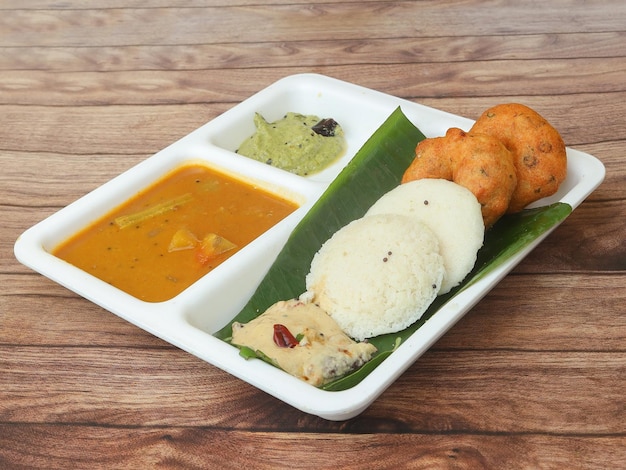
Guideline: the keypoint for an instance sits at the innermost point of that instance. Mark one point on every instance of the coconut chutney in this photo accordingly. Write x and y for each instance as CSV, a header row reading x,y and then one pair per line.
x,y
301,144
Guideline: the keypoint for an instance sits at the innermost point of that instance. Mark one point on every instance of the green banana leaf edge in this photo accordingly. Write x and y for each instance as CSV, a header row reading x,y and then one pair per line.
x,y
376,169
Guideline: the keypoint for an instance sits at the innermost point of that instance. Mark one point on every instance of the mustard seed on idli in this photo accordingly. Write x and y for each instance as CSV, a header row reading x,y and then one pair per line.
x,y
451,211
377,274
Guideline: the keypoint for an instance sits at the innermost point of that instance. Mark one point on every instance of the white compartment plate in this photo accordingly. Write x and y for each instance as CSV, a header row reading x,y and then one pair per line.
x,y
189,319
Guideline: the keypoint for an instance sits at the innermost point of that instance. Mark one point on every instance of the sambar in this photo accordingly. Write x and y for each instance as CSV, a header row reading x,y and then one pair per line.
x,y
165,238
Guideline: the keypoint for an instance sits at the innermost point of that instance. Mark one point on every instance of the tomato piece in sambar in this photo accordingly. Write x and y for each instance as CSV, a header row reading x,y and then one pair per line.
x,y
169,235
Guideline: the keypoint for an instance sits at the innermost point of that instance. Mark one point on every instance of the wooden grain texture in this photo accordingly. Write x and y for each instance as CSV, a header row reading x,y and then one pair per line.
x,y
340,20
534,376
197,448
410,80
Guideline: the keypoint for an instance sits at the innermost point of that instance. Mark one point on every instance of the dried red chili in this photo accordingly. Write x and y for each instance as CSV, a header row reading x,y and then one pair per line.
x,y
283,337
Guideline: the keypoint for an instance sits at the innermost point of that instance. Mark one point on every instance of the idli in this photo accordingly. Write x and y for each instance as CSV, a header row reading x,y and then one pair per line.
x,y
377,275
451,211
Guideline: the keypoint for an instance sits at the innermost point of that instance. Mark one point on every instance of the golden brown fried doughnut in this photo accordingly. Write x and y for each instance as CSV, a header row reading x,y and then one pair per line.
x,y
538,150
478,162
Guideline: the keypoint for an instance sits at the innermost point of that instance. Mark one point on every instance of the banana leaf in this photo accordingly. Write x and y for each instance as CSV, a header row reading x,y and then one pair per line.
x,y
376,169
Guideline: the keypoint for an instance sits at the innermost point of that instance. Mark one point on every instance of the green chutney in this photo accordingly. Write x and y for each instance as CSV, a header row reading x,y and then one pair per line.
x,y
297,143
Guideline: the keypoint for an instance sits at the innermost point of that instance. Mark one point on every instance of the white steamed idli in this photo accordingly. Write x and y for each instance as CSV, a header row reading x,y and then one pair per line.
x,y
377,274
449,210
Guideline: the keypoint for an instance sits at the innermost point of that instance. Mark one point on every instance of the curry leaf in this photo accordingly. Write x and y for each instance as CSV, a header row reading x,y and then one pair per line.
x,y
247,353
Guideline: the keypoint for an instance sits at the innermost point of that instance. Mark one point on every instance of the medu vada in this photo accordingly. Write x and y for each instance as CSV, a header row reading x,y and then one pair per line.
x,y
480,163
538,150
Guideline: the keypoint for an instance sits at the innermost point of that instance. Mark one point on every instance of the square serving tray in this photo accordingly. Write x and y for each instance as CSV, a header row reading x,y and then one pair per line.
x,y
190,319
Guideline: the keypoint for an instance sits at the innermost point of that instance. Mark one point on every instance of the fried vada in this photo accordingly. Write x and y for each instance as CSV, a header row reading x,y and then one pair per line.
x,y
480,163
433,159
538,150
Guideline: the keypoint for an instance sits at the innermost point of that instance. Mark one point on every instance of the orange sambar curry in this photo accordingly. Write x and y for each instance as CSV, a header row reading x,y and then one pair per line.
x,y
165,238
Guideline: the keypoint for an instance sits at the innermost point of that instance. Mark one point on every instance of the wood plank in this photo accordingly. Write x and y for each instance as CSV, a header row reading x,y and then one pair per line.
x,y
510,391
591,239
179,447
107,131
28,321
546,313
297,53
344,20
460,391
413,80
102,134
89,5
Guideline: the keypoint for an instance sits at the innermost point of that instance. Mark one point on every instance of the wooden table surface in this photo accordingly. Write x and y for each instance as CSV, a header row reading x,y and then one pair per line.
x,y
533,377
